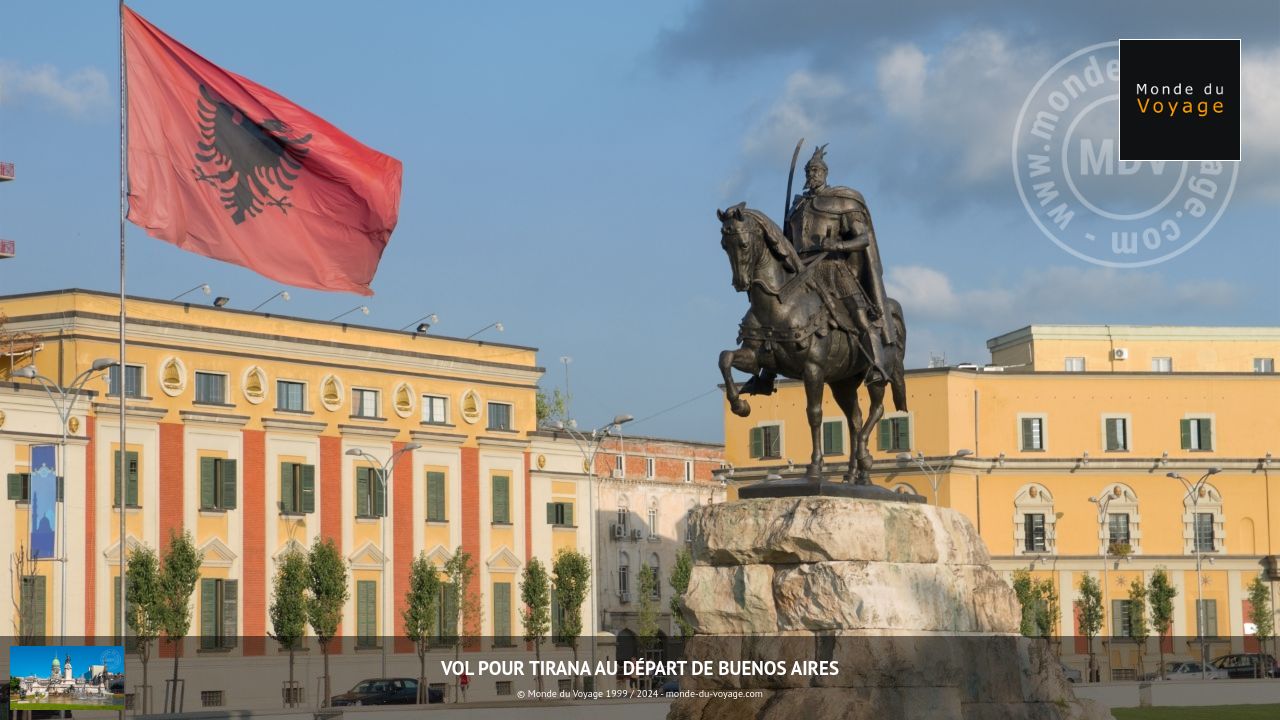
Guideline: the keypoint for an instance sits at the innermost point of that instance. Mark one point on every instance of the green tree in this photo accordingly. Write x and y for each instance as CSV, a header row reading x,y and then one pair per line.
x,y
681,571
145,608
1139,630
288,609
1090,606
420,614
464,608
553,406
1161,594
1037,598
328,595
571,578
535,593
1260,613
179,573
647,612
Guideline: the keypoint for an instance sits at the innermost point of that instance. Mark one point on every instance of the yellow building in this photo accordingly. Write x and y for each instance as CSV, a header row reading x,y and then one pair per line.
x,y
1059,463
259,434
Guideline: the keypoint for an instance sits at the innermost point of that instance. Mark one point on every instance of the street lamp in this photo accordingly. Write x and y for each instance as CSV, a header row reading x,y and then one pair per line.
x,y
1102,504
424,323
382,470
361,308
64,401
283,295
589,458
495,325
202,286
1193,491
934,474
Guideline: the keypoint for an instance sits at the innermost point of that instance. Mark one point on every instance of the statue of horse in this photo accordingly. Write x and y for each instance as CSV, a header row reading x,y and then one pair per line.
x,y
792,330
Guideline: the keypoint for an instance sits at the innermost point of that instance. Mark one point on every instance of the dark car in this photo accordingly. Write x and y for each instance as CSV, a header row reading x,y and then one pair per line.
x,y
1248,665
385,691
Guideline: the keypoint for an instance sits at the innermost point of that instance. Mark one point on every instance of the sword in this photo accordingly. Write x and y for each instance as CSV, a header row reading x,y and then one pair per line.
x,y
786,208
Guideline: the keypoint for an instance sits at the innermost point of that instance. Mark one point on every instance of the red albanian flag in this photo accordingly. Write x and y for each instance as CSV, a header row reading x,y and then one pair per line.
x,y
223,167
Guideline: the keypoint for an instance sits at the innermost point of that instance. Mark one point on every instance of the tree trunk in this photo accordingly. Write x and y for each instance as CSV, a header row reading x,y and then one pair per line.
x,y
574,679
177,653
1161,668
537,654
292,699
424,694
145,656
324,650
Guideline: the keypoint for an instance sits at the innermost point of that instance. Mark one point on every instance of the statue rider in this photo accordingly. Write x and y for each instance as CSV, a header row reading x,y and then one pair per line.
x,y
830,228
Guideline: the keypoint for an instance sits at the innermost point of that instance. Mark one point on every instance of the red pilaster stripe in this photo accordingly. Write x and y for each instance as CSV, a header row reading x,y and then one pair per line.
x,y
253,504
90,527
172,479
331,504
402,540
470,460
528,510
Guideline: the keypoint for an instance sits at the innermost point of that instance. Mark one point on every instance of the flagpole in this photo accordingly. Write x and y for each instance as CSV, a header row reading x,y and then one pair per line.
x,y
121,374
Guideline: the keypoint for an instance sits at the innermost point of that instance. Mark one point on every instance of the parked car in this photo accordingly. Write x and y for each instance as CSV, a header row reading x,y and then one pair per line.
x,y
670,686
385,691
1246,665
1187,670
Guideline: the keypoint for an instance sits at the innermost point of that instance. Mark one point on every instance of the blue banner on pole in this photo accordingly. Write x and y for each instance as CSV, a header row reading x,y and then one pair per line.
x,y
44,501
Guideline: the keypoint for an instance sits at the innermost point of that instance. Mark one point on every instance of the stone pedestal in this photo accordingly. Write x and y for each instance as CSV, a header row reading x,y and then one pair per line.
x,y
894,606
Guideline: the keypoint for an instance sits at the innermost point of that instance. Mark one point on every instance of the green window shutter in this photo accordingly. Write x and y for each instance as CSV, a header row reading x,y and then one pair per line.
x,y
568,513
308,492
362,492
378,488
229,484
115,479
832,438
15,486
1028,434
501,498
208,613
1113,434
450,610
901,433
883,439
757,442
773,441
131,489
61,487
115,608
208,483
502,613
366,612
286,488
1184,427
1206,433
32,610
435,496
551,513
555,615
230,613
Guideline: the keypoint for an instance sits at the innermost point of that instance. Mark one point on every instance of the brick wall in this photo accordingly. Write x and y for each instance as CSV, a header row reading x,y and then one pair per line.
x,y
172,479
470,458
254,560
331,503
402,541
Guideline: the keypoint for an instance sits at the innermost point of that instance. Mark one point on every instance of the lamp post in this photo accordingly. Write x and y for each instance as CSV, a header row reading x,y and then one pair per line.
x,y
64,401
1193,491
495,325
202,286
283,295
1102,503
589,460
934,474
382,470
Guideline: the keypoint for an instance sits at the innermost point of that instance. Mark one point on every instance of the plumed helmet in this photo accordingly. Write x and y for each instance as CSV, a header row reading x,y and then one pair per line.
x,y
817,160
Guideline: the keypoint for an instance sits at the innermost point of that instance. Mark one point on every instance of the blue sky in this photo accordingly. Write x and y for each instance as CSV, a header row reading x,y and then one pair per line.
x,y
38,660
563,162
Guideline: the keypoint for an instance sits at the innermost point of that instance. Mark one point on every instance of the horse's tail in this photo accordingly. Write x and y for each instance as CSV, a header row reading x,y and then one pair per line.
x,y
897,379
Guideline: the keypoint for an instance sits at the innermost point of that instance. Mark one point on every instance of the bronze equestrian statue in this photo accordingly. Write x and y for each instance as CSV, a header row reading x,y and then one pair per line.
x,y
818,314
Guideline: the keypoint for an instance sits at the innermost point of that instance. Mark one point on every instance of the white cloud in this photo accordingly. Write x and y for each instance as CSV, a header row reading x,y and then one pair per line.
x,y
76,93
1259,119
901,75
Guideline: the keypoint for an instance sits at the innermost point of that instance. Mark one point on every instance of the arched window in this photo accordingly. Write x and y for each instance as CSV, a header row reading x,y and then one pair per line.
x,y
1202,522
624,514
624,576
653,518
1034,521
656,564
1120,531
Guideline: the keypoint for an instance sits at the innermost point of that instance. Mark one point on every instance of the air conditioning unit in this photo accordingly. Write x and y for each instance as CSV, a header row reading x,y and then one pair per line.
x,y
619,531
624,596
1120,354
1271,567
618,474
636,534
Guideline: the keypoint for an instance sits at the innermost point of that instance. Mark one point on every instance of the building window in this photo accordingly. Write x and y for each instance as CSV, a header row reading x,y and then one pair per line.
x,y
218,613
623,514
1120,618
1033,532
297,488
766,441
833,437
1196,433
688,471
557,619
366,613
217,484
895,434
1074,364
1207,618
1117,433
1205,540
1162,364
211,388
31,610
371,493
435,409
657,579
653,523
446,615
364,403
560,513
499,416
131,485
501,499
435,497
291,396
649,468
1118,529
132,380
502,615
619,465
624,581
502,687
20,487
211,698
1032,434
1264,365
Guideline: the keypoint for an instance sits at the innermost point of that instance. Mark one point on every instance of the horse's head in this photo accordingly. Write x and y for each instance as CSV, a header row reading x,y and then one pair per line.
x,y
739,236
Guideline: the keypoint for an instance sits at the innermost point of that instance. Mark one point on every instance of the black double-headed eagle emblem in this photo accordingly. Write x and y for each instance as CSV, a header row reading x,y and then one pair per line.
x,y
245,159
